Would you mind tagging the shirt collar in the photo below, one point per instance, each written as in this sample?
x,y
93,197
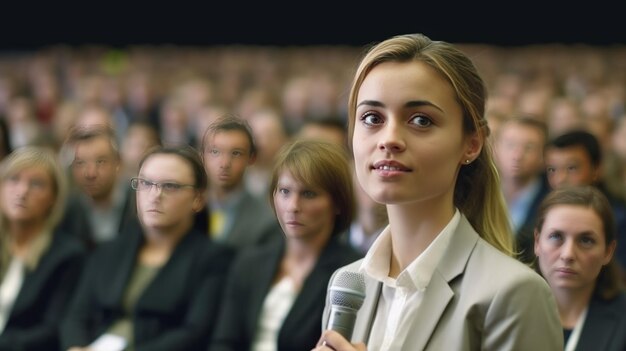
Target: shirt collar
x,y
418,273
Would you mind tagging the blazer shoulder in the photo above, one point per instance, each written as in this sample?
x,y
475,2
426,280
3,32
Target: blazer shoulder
x,y
491,268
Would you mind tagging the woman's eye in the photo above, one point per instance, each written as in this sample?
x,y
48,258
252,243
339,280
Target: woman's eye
x,y
555,236
170,186
371,119
587,241
421,121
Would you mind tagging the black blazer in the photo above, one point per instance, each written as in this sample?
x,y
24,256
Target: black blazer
x,y
76,223
176,311
44,297
248,284
605,326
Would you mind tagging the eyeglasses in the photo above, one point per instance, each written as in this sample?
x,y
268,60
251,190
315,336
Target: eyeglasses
x,y
140,184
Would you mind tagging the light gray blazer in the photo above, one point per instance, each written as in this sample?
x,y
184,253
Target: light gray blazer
x,y
478,299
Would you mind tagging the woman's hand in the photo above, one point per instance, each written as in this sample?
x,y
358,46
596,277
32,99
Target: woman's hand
x,y
331,340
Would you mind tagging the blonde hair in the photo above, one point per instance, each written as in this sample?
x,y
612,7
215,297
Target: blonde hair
x,y
477,191
36,156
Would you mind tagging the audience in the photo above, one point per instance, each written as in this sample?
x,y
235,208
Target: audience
x,y
159,288
574,242
39,267
279,307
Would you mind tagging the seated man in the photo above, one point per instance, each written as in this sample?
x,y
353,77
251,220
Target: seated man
x,y
102,204
233,215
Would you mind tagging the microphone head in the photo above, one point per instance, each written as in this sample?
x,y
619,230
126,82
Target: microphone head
x,y
348,290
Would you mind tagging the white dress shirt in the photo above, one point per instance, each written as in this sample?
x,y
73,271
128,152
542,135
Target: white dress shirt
x,y
400,297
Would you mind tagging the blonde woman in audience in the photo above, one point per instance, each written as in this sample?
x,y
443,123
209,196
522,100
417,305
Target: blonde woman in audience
x,y
574,244
39,267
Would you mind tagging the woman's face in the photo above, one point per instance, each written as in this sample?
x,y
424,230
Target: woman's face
x,y
408,137
28,195
571,247
167,206
304,212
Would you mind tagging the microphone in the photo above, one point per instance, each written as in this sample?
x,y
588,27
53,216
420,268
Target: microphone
x,y
346,297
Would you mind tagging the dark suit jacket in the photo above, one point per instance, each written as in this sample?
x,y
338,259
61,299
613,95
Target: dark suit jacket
x,y
76,223
524,237
254,223
248,284
605,326
44,297
176,311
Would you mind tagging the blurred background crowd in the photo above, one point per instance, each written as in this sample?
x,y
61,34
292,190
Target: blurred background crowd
x,y
179,90
539,97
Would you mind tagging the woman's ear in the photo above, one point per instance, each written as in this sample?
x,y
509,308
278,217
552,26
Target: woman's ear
x,y
536,235
610,250
198,202
474,144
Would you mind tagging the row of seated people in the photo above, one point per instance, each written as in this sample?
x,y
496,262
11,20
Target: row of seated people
x,y
162,283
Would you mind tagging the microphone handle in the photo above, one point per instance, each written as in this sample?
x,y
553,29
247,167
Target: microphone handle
x,y
342,320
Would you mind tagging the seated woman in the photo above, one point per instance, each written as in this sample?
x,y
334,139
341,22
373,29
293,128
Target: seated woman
x,y
574,244
39,268
157,287
280,305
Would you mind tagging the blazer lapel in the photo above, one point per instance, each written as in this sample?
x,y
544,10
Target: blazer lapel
x,y
439,293
35,281
112,287
367,313
261,281
599,327
436,298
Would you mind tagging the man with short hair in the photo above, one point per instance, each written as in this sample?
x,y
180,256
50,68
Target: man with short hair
x,y
519,157
101,205
235,216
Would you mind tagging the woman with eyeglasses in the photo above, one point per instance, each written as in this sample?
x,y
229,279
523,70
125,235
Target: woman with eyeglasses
x,y
158,290
39,264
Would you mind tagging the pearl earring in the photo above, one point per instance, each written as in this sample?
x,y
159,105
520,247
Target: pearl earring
x,y
467,161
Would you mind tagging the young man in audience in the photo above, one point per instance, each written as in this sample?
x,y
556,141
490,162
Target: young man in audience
x,y
233,215
519,157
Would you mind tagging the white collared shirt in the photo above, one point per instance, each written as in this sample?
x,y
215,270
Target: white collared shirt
x,y
401,297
